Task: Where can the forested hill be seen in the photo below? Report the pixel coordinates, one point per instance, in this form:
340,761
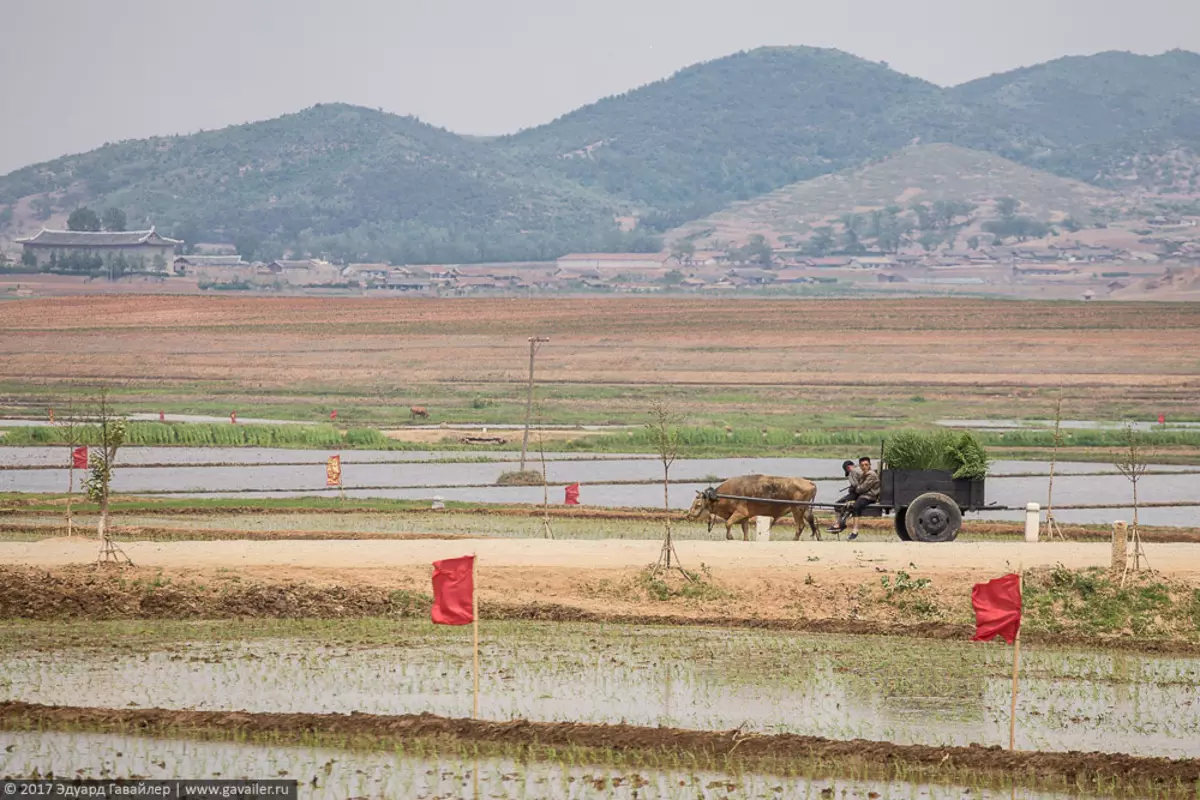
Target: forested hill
340,180
351,183
1098,118
740,126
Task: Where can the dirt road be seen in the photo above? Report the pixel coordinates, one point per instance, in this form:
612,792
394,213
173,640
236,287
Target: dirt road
1181,560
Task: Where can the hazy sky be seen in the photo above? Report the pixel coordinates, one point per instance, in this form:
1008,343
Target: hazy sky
77,73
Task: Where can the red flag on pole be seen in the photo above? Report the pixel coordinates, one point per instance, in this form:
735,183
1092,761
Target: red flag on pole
79,458
1162,419
233,417
997,609
162,416
454,591
333,414
572,498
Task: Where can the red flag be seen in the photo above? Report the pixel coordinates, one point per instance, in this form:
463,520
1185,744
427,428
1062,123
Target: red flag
997,609
454,591
79,458
162,416
333,414
233,417
572,498
1162,419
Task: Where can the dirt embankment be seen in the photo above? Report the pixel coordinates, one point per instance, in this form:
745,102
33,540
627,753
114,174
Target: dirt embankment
1126,775
839,603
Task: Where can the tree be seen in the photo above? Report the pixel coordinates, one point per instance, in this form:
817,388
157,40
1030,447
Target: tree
100,465
83,219
29,258
113,219
1007,206
822,241
684,250
673,278
664,433
1132,463
973,243
758,249
72,434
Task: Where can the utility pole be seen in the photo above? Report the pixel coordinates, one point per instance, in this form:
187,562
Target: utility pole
535,343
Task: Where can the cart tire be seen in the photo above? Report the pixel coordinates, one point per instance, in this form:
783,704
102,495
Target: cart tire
901,527
933,517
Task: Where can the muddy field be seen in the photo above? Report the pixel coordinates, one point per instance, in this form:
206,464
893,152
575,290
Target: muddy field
730,764
772,356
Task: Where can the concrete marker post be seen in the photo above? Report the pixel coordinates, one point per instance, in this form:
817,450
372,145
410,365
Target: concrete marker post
1033,521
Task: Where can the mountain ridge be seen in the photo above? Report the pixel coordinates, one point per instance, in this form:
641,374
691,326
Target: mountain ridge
354,183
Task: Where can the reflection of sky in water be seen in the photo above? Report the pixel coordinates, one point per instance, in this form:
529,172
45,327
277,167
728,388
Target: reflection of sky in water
904,692
361,773
358,471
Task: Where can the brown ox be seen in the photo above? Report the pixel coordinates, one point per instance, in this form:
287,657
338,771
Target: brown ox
417,411
769,487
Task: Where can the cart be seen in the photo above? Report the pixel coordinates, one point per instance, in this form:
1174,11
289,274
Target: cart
926,504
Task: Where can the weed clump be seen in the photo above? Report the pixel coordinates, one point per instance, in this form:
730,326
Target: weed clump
529,477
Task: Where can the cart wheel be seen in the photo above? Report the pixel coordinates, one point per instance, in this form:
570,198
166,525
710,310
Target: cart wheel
901,528
933,517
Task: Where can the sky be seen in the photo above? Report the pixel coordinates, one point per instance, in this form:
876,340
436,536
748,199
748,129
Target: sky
75,74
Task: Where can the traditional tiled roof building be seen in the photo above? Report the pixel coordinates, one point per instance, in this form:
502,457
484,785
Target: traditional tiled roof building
142,251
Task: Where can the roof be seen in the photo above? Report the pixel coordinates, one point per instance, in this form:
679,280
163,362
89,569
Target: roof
98,238
212,261
615,257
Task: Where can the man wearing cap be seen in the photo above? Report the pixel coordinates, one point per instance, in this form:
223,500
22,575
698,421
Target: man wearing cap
864,490
853,474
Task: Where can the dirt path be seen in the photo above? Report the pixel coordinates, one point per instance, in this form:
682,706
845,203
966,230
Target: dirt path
1179,560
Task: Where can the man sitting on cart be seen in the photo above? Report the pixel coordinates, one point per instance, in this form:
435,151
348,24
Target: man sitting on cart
864,490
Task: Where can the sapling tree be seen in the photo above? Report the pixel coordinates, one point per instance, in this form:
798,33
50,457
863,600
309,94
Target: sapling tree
100,465
71,429
664,433
1132,463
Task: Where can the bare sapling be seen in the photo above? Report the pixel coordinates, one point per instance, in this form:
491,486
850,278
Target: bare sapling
1052,527
71,429
664,433
547,532
1132,463
100,468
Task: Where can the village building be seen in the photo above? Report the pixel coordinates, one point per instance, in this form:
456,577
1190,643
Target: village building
306,272
141,251
617,261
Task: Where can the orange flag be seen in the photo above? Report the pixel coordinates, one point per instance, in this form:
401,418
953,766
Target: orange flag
997,609
333,471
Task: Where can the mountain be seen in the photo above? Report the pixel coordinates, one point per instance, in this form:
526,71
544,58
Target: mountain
928,174
351,183
335,179
736,127
1111,118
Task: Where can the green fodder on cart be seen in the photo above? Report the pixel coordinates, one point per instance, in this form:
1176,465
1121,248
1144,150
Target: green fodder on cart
959,453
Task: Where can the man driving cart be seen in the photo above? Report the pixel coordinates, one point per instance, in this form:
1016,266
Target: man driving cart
864,490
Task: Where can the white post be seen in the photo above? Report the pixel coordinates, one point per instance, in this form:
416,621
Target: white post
762,528
1033,521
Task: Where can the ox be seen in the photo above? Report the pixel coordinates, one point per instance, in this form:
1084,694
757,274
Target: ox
418,411
708,506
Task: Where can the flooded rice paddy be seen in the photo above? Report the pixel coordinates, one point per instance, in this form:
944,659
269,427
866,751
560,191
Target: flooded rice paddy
276,473
877,688
325,772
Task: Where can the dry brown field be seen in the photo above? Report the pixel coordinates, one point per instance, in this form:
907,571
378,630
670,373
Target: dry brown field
732,356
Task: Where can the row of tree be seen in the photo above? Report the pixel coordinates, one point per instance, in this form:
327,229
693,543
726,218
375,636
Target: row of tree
85,219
